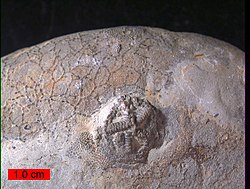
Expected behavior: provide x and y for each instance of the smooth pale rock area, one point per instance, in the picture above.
(125, 107)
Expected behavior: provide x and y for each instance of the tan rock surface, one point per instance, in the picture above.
(125, 107)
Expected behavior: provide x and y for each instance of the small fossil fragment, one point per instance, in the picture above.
(84, 142)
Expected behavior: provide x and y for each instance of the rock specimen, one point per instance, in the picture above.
(125, 107)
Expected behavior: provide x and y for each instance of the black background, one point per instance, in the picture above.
(28, 22)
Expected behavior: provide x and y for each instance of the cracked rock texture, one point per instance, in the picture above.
(125, 107)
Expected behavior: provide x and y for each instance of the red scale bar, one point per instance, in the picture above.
(28, 174)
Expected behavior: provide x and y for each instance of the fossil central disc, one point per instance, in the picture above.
(128, 127)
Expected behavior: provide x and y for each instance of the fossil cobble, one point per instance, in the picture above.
(125, 107)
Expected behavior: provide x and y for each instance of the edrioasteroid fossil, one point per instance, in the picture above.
(125, 107)
(127, 128)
